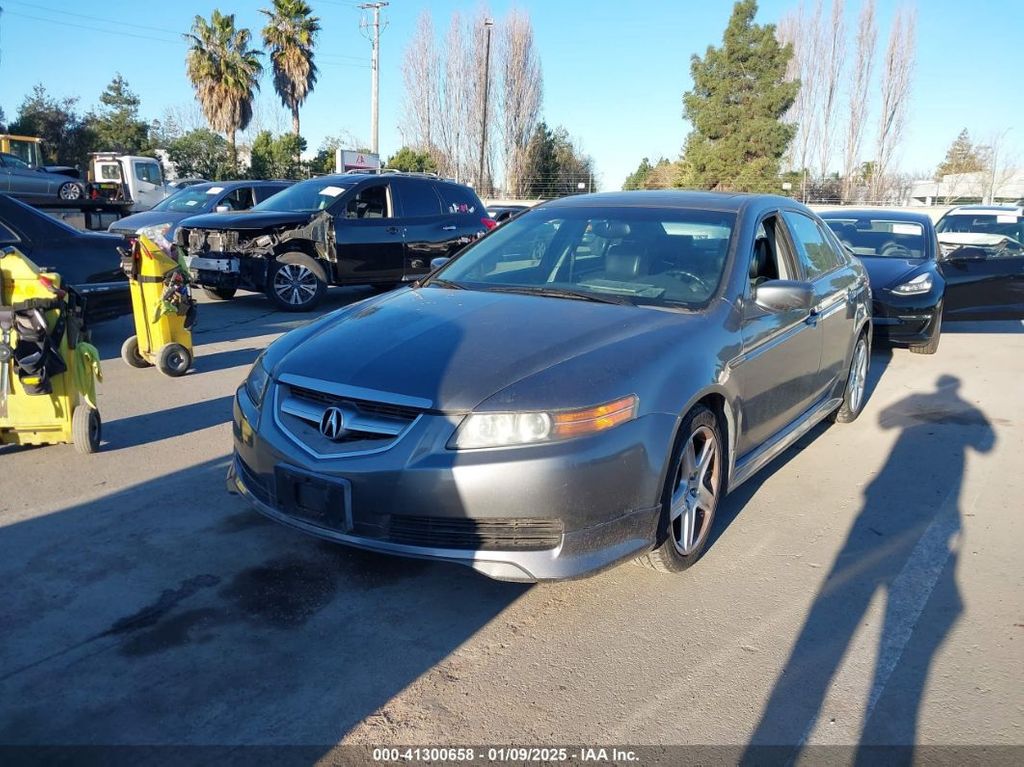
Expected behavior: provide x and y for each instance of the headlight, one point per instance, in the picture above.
(158, 234)
(507, 429)
(257, 382)
(922, 283)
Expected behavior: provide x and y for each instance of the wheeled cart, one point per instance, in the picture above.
(163, 308)
(47, 370)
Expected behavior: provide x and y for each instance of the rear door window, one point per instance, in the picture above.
(419, 200)
(812, 245)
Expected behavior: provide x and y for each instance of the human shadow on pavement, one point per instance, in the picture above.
(903, 543)
(735, 502)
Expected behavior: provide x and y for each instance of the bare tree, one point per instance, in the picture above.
(420, 75)
(897, 74)
(455, 97)
(863, 63)
(520, 94)
(1001, 164)
(832, 47)
(802, 30)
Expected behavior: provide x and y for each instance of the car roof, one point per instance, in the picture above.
(237, 183)
(964, 210)
(876, 213)
(671, 198)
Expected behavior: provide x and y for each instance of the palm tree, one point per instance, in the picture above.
(225, 73)
(290, 34)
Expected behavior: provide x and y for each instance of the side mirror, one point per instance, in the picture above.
(437, 263)
(222, 209)
(784, 295)
(967, 253)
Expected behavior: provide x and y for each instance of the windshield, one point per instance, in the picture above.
(881, 237)
(307, 196)
(660, 257)
(1007, 225)
(190, 200)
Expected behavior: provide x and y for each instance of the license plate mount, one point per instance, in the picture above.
(322, 501)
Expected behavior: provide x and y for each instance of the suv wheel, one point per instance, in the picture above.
(296, 282)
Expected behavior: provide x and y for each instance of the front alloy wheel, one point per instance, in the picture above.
(70, 191)
(296, 283)
(693, 489)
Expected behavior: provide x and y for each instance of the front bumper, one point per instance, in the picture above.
(601, 492)
(906, 319)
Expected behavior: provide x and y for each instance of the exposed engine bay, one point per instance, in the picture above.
(229, 258)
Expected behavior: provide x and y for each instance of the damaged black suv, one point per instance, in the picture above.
(350, 229)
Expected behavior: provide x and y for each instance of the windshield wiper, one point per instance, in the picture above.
(578, 295)
(441, 283)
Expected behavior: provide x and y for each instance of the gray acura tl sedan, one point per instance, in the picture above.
(580, 387)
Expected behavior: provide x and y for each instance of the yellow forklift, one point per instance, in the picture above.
(48, 372)
(163, 308)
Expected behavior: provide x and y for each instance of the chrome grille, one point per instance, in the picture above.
(369, 426)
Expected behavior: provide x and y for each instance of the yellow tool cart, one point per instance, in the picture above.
(48, 372)
(163, 307)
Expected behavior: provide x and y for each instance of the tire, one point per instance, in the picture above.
(694, 486)
(131, 355)
(296, 282)
(174, 360)
(932, 344)
(86, 429)
(855, 393)
(220, 294)
(70, 191)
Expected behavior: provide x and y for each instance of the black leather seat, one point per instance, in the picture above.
(625, 261)
(762, 265)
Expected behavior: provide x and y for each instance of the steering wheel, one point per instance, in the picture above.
(683, 274)
(895, 250)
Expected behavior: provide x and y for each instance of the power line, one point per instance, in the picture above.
(119, 33)
(91, 17)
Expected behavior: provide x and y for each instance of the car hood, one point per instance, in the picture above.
(248, 219)
(884, 271)
(456, 348)
(132, 224)
(973, 238)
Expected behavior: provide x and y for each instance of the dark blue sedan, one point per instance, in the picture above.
(899, 250)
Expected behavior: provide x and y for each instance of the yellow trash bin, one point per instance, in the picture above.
(163, 308)
(47, 370)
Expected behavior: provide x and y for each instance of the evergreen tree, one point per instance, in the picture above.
(638, 178)
(118, 127)
(200, 153)
(67, 137)
(739, 97)
(963, 156)
(553, 166)
(409, 159)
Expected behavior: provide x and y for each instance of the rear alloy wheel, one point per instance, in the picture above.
(692, 492)
(70, 191)
(296, 283)
(856, 384)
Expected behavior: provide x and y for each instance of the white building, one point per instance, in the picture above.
(966, 188)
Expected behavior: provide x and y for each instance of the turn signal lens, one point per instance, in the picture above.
(576, 423)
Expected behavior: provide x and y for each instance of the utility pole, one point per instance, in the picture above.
(483, 127)
(374, 36)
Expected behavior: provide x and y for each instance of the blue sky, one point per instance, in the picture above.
(614, 72)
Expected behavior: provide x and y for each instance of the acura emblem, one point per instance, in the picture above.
(332, 423)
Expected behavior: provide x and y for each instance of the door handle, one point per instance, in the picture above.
(449, 228)
(392, 230)
(417, 264)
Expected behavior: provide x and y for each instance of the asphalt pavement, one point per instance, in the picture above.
(864, 588)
